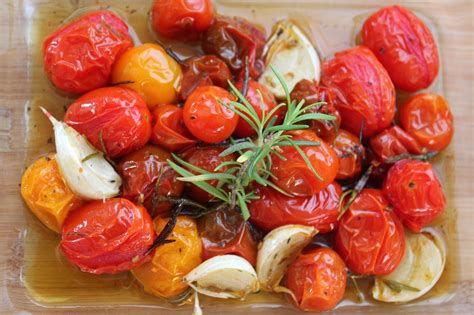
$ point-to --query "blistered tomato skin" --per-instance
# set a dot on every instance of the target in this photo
(427, 118)
(365, 93)
(274, 209)
(351, 154)
(317, 278)
(415, 192)
(404, 45)
(294, 176)
(181, 19)
(153, 73)
(370, 238)
(392, 142)
(79, 56)
(118, 115)
(206, 118)
(107, 237)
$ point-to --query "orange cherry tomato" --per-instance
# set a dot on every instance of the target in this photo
(428, 119)
(117, 115)
(415, 192)
(46, 194)
(365, 93)
(392, 142)
(370, 238)
(108, 236)
(78, 57)
(206, 118)
(317, 278)
(404, 45)
(351, 154)
(163, 275)
(152, 72)
(293, 175)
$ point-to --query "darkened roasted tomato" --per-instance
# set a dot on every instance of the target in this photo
(169, 131)
(312, 93)
(78, 57)
(116, 116)
(351, 154)
(233, 39)
(294, 176)
(415, 192)
(226, 232)
(363, 89)
(370, 237)
(141, 171)
(274, 209)
(404, 45)
(108, 236)
(317, 278)
(428, 119)
(392, 142)
(206, 118)
(181, 19)
(203, 71)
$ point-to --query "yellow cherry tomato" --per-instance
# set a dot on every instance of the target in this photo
(46, 193)
(163, 275)
(155, 75)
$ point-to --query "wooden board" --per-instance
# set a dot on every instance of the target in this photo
(454, 21)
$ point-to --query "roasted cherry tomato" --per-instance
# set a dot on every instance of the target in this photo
(108, 236)
(312, 93)
(235, 39)
(293, 175)
(182, 19)
(415, 192)
(169, 130)
(147, 177)
(203, 71)
(317, 278)
(428, 119)
(404, 45)
(253, 97)
(78, 57)
(206, 118)
(351, 154)
(365, 94)
(370, 237)
(274, 209)
(392, 142)
(163, 275)
(114, 119)
(151, 72)
(225, 232)
(46, 193)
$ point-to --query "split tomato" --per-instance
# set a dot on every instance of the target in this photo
(351, 154)
(392, 142)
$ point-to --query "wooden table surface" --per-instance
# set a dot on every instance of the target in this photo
(454, 21)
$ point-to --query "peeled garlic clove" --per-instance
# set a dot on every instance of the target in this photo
(86, 172)
(420, 269)
(291, 53)
(278, 250)
(226, 276)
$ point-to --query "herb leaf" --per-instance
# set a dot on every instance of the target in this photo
(398, 287)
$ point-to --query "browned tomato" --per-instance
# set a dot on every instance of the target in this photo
(392, 142)
(351, 154)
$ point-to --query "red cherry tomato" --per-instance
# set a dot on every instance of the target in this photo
(118, 115)
(370, 238)
(78, 57)
(350, 153)
(428, 119)
(293, 174)
(108, 236)
(225, 232)
(206, 118)
(182, 19)
(141, 171)
(274, 209)
(404, 45)
(392, 142)
(317, 278)
(312, 93)
(415, 192)
(363, 88)
(169, 130)
(203, 71)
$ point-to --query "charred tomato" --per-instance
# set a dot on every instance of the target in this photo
(392, 142)
(351, 154)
